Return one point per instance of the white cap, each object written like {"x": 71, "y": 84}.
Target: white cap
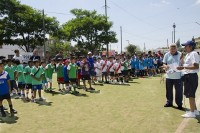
{"x": 89, "y": 52}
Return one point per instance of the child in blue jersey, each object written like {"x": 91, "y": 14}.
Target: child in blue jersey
{"x": 141, "y": 66}
{"x": 66, "y": 78}
{"x": 137, "y": 66}
{"x": 5, "y": 90}
{"x": 133, "y": 63}
{"x": 78, "y": 63}
{"x": 146, "y": 65}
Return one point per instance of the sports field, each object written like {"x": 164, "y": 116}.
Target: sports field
{"x": 137, "y": 108}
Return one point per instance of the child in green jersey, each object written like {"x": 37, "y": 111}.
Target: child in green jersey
{"x": 10, "y": 69}
{"x": 50, "y": 69}
{"x": 28, "y": 79}
{"x": 20, "y": 79}
{"x": 72, "y": 73}
{"x": 60, "y": 74}
{"x": 37, "y": 75}
{"x": 44, "y": 81}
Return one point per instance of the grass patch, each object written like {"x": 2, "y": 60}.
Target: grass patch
{"x": 117, "y": 108}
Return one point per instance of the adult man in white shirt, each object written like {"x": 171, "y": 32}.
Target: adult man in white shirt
{"x": 172, "y": 60}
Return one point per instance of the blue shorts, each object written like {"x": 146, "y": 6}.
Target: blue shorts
{"x": 36, "y": 87}
{"x": 92, "y": 73}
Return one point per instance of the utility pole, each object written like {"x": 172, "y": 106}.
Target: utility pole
{"x": 44, "y": 36}
{"x": 121, "y": 37}
{"x": 167, "y": 43}
{"x": 107, "y": 48}
{"x": 144, "y": 47}
{"x": 174, "y": 26}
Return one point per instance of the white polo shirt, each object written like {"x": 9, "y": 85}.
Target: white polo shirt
{"x": 189, "y": 60}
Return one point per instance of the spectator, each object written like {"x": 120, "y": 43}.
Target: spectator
{"x": 18, "y": 56}
{"x": 35, "y": 56}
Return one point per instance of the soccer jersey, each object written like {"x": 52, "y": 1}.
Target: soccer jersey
{"x": 10, "y": 70}
{"x": 117, "y": 67}
{"x": 104, "y": 64}
{"x": 4, "y": 88}
{"x": 72, "y": 68}
{"x": 20, "y": 71}
{"x": 36, "y": 72}
{"x": 98, "y": 69}
{"x": 85, "y": 68}
{"x": 27, "y": 72}
{"x": 110, "y": 66}
{"x": 50, "y": 69}
{"x": 60, "y": 71}
{"x": 126, "y": 64}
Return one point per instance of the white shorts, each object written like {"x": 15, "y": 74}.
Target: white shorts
{"x": 49, "y": 80}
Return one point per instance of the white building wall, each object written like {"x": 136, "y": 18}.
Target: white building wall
{"x": 8, "y": 50}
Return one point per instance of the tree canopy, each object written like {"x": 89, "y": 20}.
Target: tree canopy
{"x": 22, "y": 25}
{"x": 89, "y": 30}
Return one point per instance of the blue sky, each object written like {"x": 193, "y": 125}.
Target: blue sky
{"x": 143, "y": 21}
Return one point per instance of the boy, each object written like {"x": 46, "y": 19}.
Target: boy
{"x": 50, "y": 69}
{"x": 117, "y": 69}
{"x": 85, "y": 73}
{"x": 10, "y": 69}
{"x": 110, "y": 68}
{"x": 5, "y": 90}
{"x": 44, "y": 80}
{"x": 37, "y": 75}
{"x": 28, "y": 79}
{"x": 20, "y": 79}
{"x": 72, "y": 73}
{"x": 66, "y": 78}
{"x": 104, "y": 64}
{"x": 60, "y": 74}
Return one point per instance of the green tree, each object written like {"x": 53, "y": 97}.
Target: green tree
{"x": 132, "y": 49}
{"x": 88, "y": 30}
{"x": 22, "y": 25}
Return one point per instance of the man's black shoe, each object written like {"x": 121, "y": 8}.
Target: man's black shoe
{"x": 180, "y": 107}
{"x": 168, "y": 105}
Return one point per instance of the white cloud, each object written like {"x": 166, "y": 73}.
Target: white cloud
{"x": 160, "y": 3}
{"x": 198, "y": 2}
{"x": 165, "y": 2}
{"x": 155, "y": 4}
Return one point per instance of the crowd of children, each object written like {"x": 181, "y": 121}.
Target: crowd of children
{"x": 38, "y": 75}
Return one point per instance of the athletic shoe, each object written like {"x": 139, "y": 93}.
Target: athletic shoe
{"x": 13, "y": 111}
{"x": 189, "y": 114}
{"x": 40, "y": 99}
{"x": 92, "y": 89}
{"x": 168, "y": 105}
{"x": 196, "y": 112}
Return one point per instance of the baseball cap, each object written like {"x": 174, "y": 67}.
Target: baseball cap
{"x": 89, "y": 52}
{"x": 35, "y": 60}
{"x": 189, "y": 43}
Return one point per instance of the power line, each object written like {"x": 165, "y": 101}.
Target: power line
{"x": 139, "y": 19}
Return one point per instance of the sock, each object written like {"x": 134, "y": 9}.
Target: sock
{"x": 63, "y": 86}
{"x": 27, "y": 94}
{"x": 1, "y": 108}
{"x": 11, "y": 107}
{"x": 19, "y": 94}
{"x": 59, "y": 86}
